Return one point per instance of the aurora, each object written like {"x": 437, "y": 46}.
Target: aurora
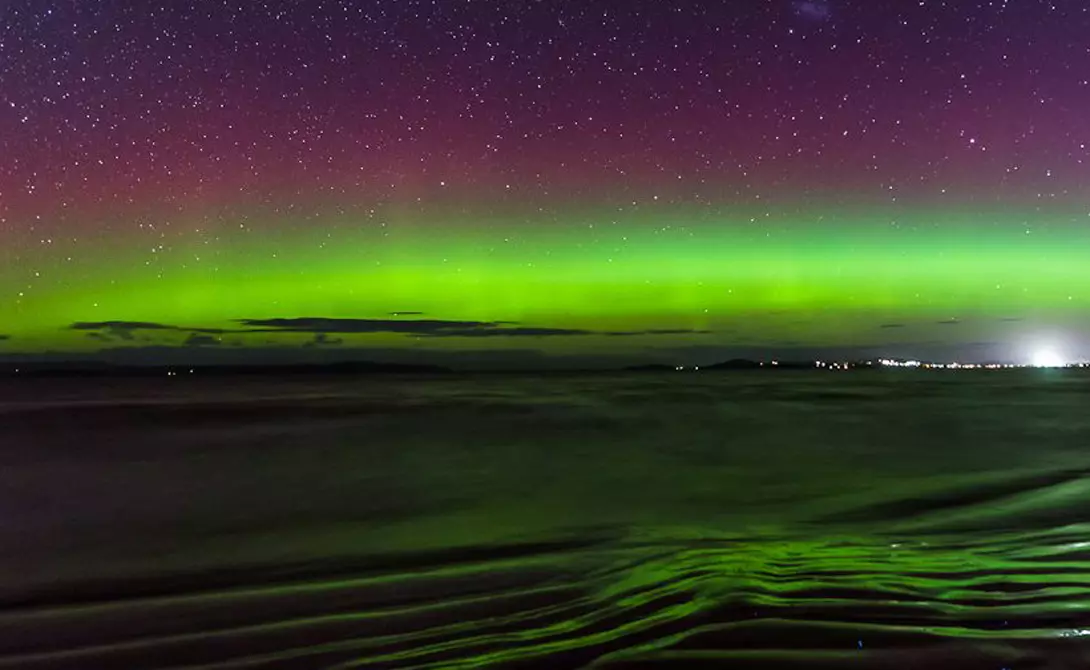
{"x": 779, "y": 189}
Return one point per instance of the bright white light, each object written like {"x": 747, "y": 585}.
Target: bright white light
{"x": 1046, "y": 358}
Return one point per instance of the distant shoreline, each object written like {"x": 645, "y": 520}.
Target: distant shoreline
{"x": 83, "y": 369}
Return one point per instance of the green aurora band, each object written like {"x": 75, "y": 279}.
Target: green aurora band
{"x": 817, "y": 275}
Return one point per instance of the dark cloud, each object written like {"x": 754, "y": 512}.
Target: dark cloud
{"x": 555, "y": 332}
{"x": 430, "y": 328}
{"x": 324, "y": 340}
{"x": 322, "y": 327}
{"x": 108, "y": 330}
{"x": 4, "y": 337}
{"x": 314, "y": 324}
{"x": 125, "y": 330}
{"x": 120, "y": 325}
{"x": 508, "y": 332}
{"x": 892, "y": 325}
{"x": 949, "y": 322}
{"x": 1011, "y": 319}
{"x": 655, "y": 331}
{"x": 199, "y": 340}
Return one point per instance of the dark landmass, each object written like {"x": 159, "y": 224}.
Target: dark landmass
{"x": 94, "y": 369}
{"x": 652, "y": 367}
{"x": 738, "y": 364}
{"x": 734, "y": 364}
{"x": 746, "y": 364}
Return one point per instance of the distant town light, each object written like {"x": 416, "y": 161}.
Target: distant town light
{"x": 1047, "y": 358}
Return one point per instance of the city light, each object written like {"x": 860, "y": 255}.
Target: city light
{"x": 1047, "y": 358}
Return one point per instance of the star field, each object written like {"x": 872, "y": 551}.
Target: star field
{"x": 691, "y": 175}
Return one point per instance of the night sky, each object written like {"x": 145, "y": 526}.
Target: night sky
{"x": 595, "y": 180}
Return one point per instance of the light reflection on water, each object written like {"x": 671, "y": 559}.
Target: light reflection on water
{"x": 906, "y": 520}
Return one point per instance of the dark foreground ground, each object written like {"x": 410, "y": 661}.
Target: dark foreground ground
{"x": 860, "y": 520}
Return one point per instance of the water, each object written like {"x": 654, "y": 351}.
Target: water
{"x": 770, "y": 520}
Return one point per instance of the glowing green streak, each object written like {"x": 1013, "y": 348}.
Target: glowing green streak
{"x": 841, "y": 273}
